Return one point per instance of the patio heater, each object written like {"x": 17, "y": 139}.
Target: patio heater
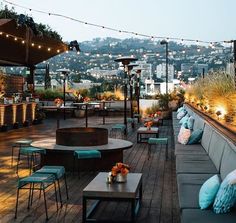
{"x": 137, "y": 91}
{"x": 125, "y": 61}
{"x": 130, "y": 67}
{"x": 64, "y": 74}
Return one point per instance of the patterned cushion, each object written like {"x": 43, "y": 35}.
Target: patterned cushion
{"x": 208, "y": 192}
{"x": 184, "y": 135}
{"x": 195, "y": 137}
{"x": 181, "y": 114}
{"x": 226, "y": 196}
{"x": 191, "y": 122}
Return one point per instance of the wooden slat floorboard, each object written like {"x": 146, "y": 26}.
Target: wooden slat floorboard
{"x": 160, "y": 199}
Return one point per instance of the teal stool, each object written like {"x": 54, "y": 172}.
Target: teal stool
{"x": 18, "y": 144}
{"x": 31, "y": 153}
{"x": 117, "y": 128}
{"x": 36, "y": 182}
{"x": 158, "y": 141}
{"x": 85, "y": 154}
{"x": 58, "y": 172}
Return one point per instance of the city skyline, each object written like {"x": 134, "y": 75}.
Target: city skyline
{"x": 207, "y": 21}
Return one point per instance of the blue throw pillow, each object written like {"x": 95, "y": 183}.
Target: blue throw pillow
{"x": 195, "y": 136}
{"x": 208, "y": 192}
{"x": 180, "y": 109}
{"x": 184, "y": 119}
{"x": 226, "y": 196}
{"x": 191, "y": 122}
{"x": 185, "y": 124}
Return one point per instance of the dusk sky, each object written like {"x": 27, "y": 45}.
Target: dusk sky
{"x": 208, "y": 20}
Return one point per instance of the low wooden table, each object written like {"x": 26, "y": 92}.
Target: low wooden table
{"x": 98, "y": 189}
{"x": 144, "y": 131}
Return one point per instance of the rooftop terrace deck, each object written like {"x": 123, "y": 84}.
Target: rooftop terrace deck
{"x": 159, "y": 204}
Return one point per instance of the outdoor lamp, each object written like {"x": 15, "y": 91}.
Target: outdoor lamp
{"x": 125, "y": 61}
{"x": 130, "y": 67}
{"x": 65, "y": 73}
{"x": 164, "y": 42}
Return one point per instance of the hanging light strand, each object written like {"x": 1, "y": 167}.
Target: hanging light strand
{"x": 116, "y": 30}
{"x": 22, "y": 41}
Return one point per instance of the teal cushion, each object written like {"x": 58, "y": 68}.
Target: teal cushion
{"x": 37, "y": 178}
{"x": 87, "y": 154}
{"x": 180, "y": 109}
{"x": 208, "y": 192}
{"x": 58, "y": 171}
{"x": 226, "y": 196}
{"x": 185, "y": 123}
{"x": 162, "y": 141}
{"x": 184, "y": 119}
{"x": 30, "y": 150}
{"x": 191, "y": 122}
{"x": 195, "y": 137}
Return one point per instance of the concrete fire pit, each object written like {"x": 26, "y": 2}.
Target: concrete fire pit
{"x": 81, "y": 136}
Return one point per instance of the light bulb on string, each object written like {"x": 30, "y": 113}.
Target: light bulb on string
{"x": 15, "y": 39}
{"x": 198, "y": 49}
{"x": 39, "y": 46}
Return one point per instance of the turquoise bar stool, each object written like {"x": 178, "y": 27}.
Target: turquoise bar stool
{"x": 117, "y": 129}
{"x": 31, "y": 153}
{"x": 36, "y": 182}
{"x": 58, "y": 172}
{"x": 18, "y": 144}
{"x": 158, "y": 141}
{"x": 85, "y": 154}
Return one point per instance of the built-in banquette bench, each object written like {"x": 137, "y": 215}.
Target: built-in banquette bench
{"x": 196, "y": 163}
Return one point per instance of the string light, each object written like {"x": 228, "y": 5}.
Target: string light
{"x": 109, "y": 28}
{"x": 23, "y": 41}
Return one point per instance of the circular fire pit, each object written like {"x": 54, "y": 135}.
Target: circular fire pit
{"x": 81, "y": 136}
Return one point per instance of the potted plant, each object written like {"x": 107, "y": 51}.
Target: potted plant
{"x": 163, "y": 100}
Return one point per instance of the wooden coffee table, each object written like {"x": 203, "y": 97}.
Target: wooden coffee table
{"x": 144, "y": 131}
{"x": 98, "y": 189}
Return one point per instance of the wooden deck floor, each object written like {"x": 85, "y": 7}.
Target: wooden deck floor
{"x": 159, "y": 204}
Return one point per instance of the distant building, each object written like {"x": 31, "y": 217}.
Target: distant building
{"x": 146, "y": 68}
{"x": 198, "y": 69}
{"x": 187, "y": 68}
{"x": 106, "y": 74}
{"x": 230, "y": 68}
{"x": 151, "y": 88}
{"x": 161, "y": 71}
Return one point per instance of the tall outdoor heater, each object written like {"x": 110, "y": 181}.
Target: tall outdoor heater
{"x": 130, "y": 67}
{"x": 137, "y": 91}
{"x": 125, "y": 61}
{"x": 65, "y": 73}
{"x": 164, "y": 42}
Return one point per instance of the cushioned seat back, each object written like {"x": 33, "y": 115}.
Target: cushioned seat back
{"x": 228, "y": 162}
{"x": 206, "y": 137}
{"x": 216, "y": 148}
{"x": 198, "y": 122}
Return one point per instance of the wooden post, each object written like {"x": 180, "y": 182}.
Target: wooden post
{"x": 30, "y": 79}
{"x": 47, "y": 79}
